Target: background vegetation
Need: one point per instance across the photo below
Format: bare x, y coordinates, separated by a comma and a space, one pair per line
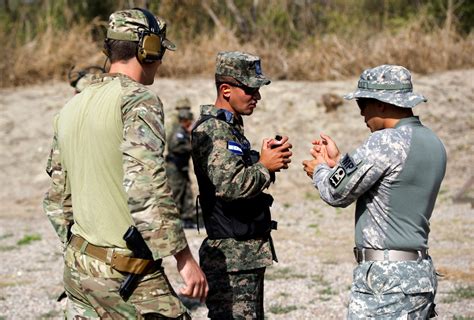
299, 39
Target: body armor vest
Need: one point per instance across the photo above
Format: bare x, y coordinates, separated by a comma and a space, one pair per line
241, 219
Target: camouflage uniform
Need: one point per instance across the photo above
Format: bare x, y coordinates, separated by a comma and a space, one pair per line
395, 177
113, 171
79, 80
177, 166
234, 268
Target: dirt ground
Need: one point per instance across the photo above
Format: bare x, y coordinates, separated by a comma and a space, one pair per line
314, 241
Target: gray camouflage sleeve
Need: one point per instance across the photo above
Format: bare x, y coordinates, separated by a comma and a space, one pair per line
149, 196
57, 202
352, 176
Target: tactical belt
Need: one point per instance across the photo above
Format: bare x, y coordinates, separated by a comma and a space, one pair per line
366, 254
116, 260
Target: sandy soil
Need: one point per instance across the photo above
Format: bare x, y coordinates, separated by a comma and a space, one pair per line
314, 241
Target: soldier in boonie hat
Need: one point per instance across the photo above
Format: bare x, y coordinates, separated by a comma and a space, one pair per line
243, 67
388, 83
394, 176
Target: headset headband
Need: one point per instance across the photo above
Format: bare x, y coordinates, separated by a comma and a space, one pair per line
153, 25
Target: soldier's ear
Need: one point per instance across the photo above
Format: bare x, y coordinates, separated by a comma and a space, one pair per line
225, 89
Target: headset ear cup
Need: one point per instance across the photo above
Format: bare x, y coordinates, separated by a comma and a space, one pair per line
141, 54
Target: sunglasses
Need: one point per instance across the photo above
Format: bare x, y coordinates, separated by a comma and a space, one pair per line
248, 90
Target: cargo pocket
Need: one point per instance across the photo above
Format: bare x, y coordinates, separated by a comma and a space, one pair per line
154, 294
419, 278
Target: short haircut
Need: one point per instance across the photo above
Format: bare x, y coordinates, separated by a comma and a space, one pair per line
119, 50
225, 79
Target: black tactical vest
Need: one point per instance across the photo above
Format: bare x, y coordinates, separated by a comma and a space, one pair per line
241, 219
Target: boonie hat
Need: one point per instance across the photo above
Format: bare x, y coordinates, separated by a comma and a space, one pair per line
387, 83
127, 24
244, 67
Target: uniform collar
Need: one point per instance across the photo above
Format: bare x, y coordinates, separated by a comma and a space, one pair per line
226, 115
410, 121
104, 77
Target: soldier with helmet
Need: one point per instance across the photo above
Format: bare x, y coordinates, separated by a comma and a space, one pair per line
177, 162
108, 178
232, 179
394, 176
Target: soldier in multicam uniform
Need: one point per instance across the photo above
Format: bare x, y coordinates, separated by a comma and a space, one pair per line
79, 80
107, 172
395, 177
231, 179
177, 163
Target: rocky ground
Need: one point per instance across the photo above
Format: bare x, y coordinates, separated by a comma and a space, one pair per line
314, 241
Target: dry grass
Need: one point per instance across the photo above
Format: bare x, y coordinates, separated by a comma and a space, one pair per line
51, 54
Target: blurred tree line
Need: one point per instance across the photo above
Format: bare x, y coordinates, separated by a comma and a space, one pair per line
286, 22
300, 39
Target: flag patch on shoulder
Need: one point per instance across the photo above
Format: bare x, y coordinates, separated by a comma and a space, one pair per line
235, 147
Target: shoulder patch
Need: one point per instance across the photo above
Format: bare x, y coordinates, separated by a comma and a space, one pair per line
348, 164
179, 135
235, 147
337, 176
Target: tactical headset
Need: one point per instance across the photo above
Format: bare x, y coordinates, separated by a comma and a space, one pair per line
150, 41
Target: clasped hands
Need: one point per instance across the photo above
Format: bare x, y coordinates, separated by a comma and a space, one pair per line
324, 151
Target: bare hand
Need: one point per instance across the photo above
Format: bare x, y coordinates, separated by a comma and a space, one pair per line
328, 149
275, 155
195, 280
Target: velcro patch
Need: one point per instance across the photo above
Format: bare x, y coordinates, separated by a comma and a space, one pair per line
348, 164
235, 147
338, 175
258, 68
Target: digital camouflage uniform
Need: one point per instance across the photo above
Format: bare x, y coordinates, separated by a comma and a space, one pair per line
107, 173
234, 268
395, 177
177, 165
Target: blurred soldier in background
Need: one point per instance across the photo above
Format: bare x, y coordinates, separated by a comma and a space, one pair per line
79, 80
177, 163
395, 177
231, 179
107, 174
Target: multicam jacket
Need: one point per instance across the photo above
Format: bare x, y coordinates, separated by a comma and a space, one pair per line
127, 152
215, 153
395, 177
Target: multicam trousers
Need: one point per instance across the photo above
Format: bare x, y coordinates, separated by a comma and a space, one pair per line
92, 290
235, 295
393, 290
